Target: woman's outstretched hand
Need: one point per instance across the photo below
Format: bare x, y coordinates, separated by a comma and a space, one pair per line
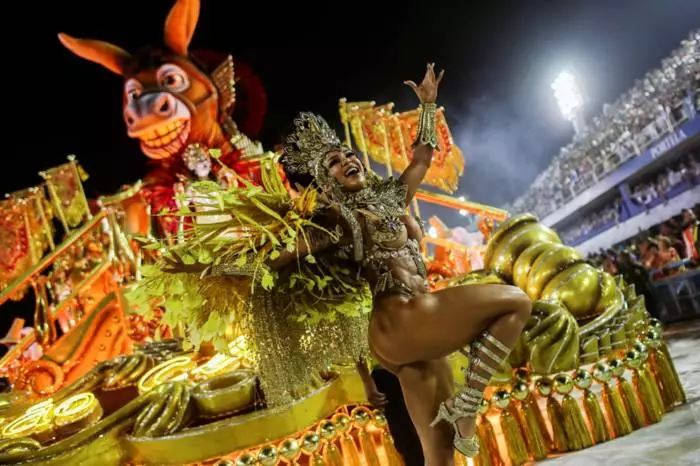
427, 90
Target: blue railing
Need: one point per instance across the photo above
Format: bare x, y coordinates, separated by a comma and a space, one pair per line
630, 208
678, 297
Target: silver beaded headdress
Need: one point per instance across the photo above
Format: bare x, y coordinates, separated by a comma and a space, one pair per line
308, 144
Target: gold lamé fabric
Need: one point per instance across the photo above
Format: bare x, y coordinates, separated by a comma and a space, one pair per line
290, 355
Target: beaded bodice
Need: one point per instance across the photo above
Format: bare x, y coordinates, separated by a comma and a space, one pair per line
384, 240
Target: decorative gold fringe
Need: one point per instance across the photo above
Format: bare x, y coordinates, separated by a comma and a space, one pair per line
668, 378
679, 385
648, 393
555, 419
392, 455
536, 435
630, 400
665, 376
349, 449
517, 448
489, 455
616, 411
332, 455
317, 460
577, 434
595, 417
368, 448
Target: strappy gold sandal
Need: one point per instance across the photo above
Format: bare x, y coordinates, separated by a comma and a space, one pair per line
467, 402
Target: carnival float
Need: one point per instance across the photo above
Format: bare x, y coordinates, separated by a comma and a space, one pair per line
93, 382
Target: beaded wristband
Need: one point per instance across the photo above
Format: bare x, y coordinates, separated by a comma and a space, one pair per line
426, 133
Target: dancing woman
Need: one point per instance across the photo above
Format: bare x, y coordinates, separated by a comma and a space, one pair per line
410, 331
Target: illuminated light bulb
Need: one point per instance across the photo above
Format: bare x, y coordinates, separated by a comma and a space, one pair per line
462, 212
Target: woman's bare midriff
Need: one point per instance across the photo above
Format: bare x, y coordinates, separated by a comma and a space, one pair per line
388, 304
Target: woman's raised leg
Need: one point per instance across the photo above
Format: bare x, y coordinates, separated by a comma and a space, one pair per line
432, 326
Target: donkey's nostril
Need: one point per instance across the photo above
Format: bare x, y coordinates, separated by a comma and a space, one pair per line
164, 106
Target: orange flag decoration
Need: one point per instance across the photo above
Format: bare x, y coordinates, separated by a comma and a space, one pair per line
386, 137
65, 186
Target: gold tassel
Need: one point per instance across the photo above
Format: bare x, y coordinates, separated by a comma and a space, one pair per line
332, 455
349, 449
517, 449
489, 454
616, 411
648, 394
537, 438
392, 455
317, 460
631, 405
368, 448
666, 379
555, 419
577, 433
683, 399
595, 417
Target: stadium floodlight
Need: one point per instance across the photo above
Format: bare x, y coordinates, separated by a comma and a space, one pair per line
568, 95
570, 99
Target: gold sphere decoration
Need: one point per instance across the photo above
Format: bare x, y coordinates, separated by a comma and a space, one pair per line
563, 384
245, 459
656, 324
267, 456
652, 338
543, 386
360, 416
379, 418
617, 367
633, 359
327, 430
342, 422
500, 399
289, 448
310, 442
521, 374
602, 372
642, 349
583, 379
484, 407
520, 390
226, 463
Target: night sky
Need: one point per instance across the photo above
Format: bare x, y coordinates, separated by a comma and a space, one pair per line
500, 56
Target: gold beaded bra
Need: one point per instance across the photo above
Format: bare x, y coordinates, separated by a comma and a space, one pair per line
382, 206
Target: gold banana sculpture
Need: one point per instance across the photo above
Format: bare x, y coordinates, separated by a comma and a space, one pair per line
580, 313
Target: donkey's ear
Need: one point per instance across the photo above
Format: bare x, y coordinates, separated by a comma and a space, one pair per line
110, 56
180, 25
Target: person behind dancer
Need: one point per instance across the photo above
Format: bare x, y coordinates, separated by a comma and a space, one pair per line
383, 391
411, 330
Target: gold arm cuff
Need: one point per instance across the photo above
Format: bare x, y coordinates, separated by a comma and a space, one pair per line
426, 133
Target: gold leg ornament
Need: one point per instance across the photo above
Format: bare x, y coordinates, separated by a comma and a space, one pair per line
467, 402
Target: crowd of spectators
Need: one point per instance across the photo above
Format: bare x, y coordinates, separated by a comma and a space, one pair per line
664, 250
663, 184
591, 222
651, 108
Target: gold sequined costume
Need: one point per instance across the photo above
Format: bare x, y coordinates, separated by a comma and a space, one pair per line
298, 320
